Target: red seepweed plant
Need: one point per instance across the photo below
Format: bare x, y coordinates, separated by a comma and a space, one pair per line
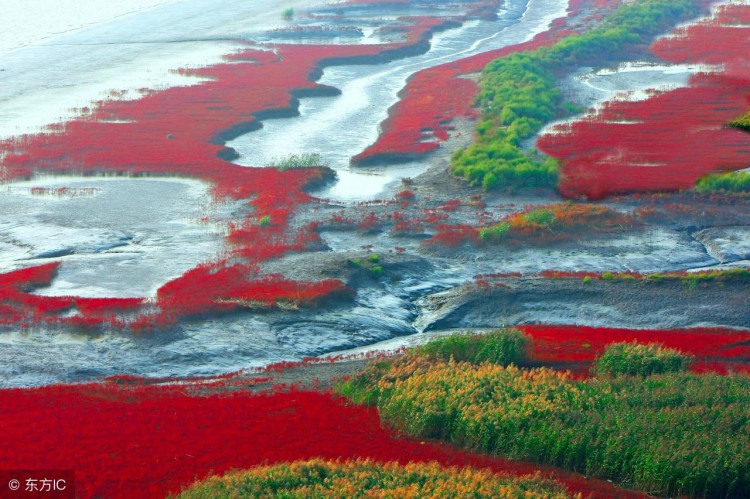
180, 131
672, 139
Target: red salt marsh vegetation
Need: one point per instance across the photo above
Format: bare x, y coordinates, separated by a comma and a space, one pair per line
154, 440
715, 349
128, 436
18, 305
180, 131
674, 138
205, 290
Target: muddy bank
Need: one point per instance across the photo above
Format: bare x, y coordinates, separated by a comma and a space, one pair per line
318, 376
616, 303
417, 295
726, 244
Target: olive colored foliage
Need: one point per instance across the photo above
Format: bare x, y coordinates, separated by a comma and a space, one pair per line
366, 478
676, 433
743, 123
518, 93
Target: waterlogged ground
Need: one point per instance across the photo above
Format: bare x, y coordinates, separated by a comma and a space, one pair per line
59, 57
125, 237
116, 237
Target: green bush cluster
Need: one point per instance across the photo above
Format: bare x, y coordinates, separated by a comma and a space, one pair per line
363, 388
497, 231
676, 433
563, 219
669, 434
724, 182
690, 279
264, 221
518, 94
371, 264
500, 346
635, 359
540, 216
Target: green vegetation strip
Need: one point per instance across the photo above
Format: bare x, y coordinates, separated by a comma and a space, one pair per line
518, 93
725, 182
690, 279
365, 478
676, 433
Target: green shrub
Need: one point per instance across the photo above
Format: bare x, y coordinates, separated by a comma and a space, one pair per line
540, 216
494, 232
641, 360
370, 264
501, 346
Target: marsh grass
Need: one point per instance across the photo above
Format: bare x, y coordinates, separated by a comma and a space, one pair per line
672, 433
